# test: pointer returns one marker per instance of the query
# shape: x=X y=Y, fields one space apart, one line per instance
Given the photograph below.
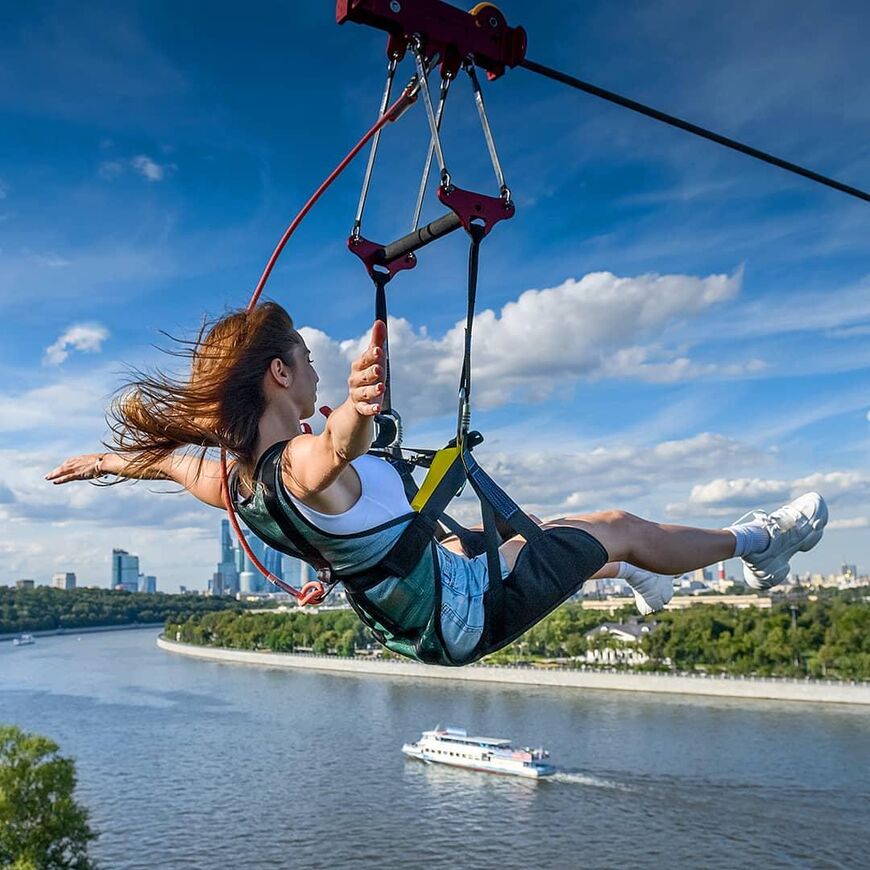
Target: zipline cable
x=679 y=123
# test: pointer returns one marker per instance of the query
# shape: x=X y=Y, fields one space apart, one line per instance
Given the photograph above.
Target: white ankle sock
x=751 y=538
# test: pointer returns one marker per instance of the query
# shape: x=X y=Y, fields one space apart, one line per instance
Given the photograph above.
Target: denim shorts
x=463 y=584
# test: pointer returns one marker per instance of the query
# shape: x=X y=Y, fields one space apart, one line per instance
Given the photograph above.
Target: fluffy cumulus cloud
x=601 y=326
x=722 y=496
x=85 y=337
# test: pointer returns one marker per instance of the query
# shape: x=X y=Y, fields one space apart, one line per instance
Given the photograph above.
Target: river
x=191 y=764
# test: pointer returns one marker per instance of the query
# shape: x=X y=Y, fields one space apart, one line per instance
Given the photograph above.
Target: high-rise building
x=237 y=571
x=273 y=562
x=249 y=581
x=225 y=580
x=295 y=571
x=24 y=584
x=64 y=580
x=849 y=572
x=125 y=571
x=227 y=543
x=147 y=583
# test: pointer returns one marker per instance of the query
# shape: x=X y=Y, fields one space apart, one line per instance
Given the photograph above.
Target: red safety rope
x=314 y=591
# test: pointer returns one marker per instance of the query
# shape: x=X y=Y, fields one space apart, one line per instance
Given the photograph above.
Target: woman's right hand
x=366 y=382
x=84 y=467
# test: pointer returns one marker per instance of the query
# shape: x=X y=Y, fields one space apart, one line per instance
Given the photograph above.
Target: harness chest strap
x=271 y=468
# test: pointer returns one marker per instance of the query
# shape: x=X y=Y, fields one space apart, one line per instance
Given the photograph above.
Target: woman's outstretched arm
x=312 y=463
x=200 y=477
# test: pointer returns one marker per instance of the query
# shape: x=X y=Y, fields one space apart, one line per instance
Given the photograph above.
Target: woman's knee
x=618 y=531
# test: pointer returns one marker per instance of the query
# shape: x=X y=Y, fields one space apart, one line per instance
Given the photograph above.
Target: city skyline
x=664 y=326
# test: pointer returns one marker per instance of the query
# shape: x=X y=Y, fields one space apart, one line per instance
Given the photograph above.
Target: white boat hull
x=503 y=767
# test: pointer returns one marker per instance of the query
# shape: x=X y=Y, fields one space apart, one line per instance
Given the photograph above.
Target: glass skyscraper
x=125 y=570
x=236 y=572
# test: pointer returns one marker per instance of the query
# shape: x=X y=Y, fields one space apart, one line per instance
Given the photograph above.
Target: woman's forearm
x=113 y=463
x=351 y=432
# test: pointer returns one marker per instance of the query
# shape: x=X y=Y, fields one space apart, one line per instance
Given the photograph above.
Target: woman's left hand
x=85 y=467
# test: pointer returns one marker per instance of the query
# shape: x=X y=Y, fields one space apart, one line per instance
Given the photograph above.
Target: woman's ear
x=281 y=373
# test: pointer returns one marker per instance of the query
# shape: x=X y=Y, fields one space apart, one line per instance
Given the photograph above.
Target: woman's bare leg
x=663 y=549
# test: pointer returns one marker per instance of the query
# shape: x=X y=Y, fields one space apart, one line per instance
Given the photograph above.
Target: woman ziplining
x=345 y=500
x=251 y=386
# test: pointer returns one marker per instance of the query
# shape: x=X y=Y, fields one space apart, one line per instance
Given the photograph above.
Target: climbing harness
x=438 y=35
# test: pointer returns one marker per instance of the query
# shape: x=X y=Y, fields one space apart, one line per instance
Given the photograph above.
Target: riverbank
x=756 y=688
x=83 y=630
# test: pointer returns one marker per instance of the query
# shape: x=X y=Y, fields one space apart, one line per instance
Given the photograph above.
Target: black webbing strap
x=503 y=506
x=381 y=280
x=270 y=469
x=477 y=234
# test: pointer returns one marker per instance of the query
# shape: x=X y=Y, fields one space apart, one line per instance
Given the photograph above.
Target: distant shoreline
x=89 y=629
x=775 y=689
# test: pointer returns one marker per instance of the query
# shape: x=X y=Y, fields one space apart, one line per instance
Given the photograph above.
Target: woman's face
x=305 y=379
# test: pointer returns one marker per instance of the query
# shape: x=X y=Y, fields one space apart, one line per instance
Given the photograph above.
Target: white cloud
x=723 y=496
x=141 y=164
x=601 y=326
x=554 y=483
x=86 y=337
x=739 y=492
x=73 y=404
x=147 y=168
x=51 y=260
x=849 y=523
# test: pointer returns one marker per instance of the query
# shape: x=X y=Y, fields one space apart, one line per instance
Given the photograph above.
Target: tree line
x=828 y=637
x=46 y=609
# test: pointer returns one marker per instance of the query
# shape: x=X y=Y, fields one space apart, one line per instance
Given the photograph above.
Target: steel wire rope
x=314 y=591
x=689 y=127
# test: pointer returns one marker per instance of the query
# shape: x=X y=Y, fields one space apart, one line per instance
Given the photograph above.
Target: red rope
x=314 y=591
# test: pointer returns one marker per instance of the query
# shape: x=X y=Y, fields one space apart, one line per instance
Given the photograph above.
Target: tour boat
x=23 y=640
x=491 y=754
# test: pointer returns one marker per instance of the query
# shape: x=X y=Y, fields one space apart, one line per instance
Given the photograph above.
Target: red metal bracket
x=372 y=255
x=470 y=207
x=444 y=30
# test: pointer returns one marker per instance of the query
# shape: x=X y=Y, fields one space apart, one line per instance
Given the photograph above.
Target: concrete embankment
x=769 y=689
x=85 y=630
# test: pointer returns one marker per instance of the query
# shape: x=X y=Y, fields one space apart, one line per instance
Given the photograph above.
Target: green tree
x=41 y=825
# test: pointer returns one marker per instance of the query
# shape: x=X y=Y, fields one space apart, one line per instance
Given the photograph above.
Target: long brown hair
x=221 y=402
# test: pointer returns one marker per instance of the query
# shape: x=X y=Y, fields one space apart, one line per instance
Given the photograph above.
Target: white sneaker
x=795 y=527
x=651 y=591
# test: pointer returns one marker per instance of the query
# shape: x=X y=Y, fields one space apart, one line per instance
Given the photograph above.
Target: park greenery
x=45 y=608
x=42 y=827
x=819 y=636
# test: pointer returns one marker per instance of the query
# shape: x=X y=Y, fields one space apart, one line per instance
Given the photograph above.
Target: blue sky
x=664 y=326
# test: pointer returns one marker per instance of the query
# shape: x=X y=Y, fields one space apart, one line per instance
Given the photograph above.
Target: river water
x=191 y=764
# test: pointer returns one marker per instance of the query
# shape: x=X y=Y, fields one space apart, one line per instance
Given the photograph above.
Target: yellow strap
x=444 y=458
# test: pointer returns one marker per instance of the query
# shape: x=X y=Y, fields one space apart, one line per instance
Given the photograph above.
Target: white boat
x=492 y=754
x=23 y=640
